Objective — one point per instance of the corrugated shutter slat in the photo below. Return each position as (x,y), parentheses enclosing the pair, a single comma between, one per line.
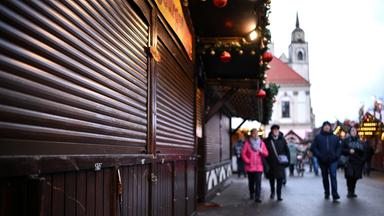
(73,73)
(175,103)
(212,138)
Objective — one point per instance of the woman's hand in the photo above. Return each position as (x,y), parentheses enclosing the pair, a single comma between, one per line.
(351,151)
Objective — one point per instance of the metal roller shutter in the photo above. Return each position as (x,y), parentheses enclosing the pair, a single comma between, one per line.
(175,104)
(72,72)
(212,138)
(225,137)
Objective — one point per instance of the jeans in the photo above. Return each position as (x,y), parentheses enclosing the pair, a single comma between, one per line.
(315,165)
(329,170)
(240,167)
(254,183)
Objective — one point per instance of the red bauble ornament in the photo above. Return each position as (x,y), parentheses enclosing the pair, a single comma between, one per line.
(261,93)
(228,24)
(225,57)
(220,3)
(267,56)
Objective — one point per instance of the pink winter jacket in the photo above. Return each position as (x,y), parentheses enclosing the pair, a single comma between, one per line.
(252,159)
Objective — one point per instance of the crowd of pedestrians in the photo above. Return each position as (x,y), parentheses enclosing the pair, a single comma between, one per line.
(273,155)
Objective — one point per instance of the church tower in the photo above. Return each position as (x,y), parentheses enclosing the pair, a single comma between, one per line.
(298,51)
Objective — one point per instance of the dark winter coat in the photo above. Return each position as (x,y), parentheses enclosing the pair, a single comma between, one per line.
(276,170)
(326,147)
(355,163)
(369,151)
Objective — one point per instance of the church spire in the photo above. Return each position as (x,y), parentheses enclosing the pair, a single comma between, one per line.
(297,20)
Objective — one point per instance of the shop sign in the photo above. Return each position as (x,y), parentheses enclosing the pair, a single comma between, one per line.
(173,13)
(368,128)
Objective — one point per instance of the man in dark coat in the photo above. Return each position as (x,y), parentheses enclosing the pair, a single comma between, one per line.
(276,141)
(327,148)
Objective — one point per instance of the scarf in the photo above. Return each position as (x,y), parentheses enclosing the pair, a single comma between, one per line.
(255,143)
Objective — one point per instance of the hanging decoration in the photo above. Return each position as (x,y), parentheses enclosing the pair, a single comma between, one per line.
(261,93)
(229,24)
(225,57)
(267,56)
(268,101)
(220,3)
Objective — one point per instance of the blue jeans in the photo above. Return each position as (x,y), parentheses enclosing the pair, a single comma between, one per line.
(329,170)
(315,165)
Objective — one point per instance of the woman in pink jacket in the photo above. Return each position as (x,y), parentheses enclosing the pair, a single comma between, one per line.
(253,151)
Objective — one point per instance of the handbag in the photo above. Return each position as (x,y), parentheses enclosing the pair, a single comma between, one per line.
(283,159)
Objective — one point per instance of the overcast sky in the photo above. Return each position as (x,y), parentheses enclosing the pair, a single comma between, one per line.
(346,44)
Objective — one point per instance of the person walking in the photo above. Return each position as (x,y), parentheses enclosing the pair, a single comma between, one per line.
(354,150)
(253,151)
(292,154)
(239,160)
(368,159)
(327,148)
(278,159)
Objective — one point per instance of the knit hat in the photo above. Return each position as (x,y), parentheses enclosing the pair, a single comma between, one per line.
(327,123)
(275,126)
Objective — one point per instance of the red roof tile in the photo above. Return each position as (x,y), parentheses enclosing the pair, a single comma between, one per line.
(281,73)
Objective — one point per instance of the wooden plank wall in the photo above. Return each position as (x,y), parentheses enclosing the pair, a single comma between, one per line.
(91,192)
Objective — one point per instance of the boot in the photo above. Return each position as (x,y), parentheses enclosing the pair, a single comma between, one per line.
(279,197)
(272,195)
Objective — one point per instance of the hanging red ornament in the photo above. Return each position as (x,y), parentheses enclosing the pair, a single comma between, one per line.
(261,93)
(220,3)
(267,56)
(225,57)
(229,24)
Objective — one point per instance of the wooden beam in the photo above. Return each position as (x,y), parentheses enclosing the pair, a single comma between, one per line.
(219,104)
(238,127)
(235,83)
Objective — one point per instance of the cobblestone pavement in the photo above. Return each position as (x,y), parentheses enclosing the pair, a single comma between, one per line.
(302,196)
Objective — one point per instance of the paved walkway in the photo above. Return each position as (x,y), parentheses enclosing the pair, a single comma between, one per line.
(302,196)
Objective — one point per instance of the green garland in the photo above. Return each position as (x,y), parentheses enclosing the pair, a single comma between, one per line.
(268,101)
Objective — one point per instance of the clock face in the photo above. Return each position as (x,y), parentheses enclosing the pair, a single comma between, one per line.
(299,35)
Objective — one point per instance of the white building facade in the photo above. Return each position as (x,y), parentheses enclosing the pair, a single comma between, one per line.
(292,109)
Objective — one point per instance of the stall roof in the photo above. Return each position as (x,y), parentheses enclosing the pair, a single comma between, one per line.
(238,18)
(235,83)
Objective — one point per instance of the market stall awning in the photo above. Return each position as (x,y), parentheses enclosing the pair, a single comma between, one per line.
(231,42)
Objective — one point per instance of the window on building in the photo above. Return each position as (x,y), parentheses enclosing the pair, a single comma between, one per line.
(300,56)
(285,109)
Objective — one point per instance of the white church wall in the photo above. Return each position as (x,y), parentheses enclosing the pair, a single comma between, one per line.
(301,69)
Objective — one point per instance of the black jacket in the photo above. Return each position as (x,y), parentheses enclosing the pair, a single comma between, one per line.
(355,163)
(275,169)
(326,147)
